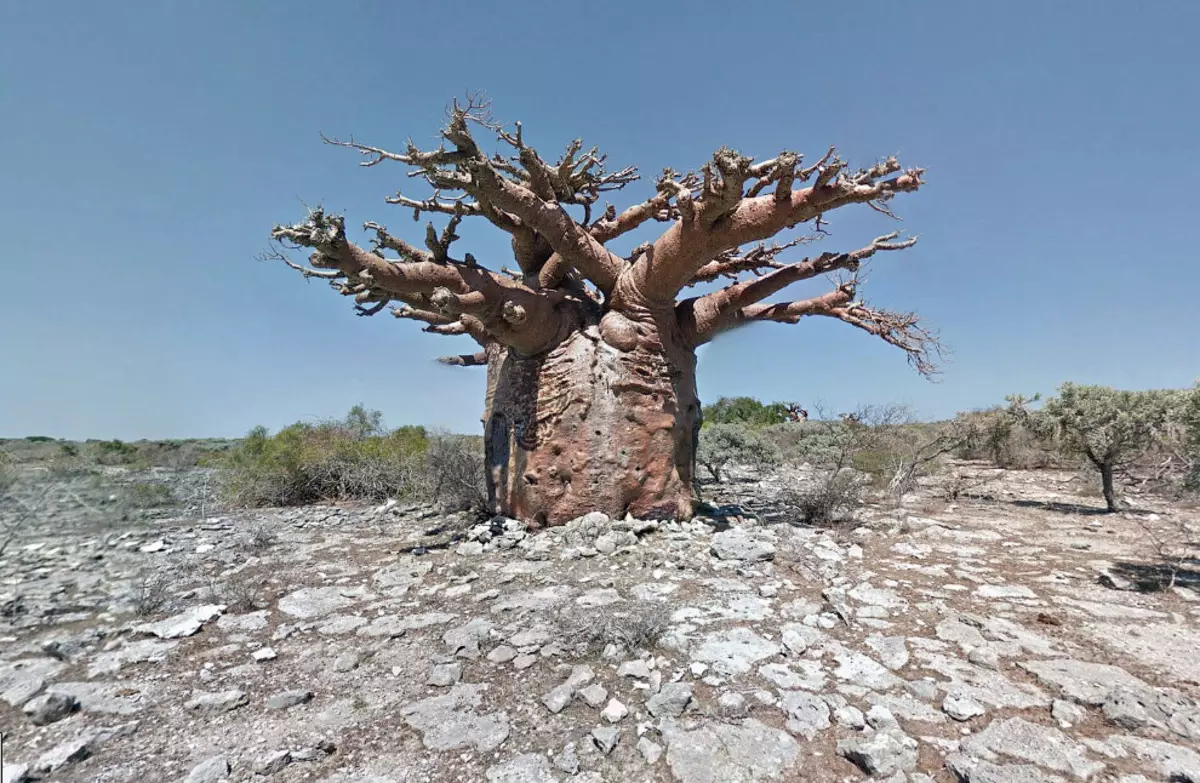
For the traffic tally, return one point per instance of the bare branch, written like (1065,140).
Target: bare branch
(569,239)
(712,312)
(724,180)
(519,316)
(435,205)
(902,330)
(727,224)
(731,263)
(477,359)
(386,241)
(412,157)
(428,316)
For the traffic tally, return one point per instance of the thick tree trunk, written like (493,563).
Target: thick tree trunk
(1106,478)
(606,421)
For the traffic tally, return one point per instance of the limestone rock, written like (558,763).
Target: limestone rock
(725,753)
(671,701)
(185,624)
(881,753)
(526,768)
(1017,738)
(737,544)
(211,770)
(449,721)
(289,699)
(50,707)
(606,738)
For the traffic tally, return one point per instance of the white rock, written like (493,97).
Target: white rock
(184,624)
(614,712)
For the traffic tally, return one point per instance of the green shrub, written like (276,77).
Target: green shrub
(39,439)
(149,495)
(721,444)
(1109,428)
(815,442)
(113,452)
(747,411)
(338,460)
(1005,438)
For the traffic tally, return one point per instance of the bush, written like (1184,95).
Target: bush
(455,477)
(338,460)
(150,495)
(747,411)
(881,441)
(113,452)
(629,627)
(833,499)
(1004,438)
(1109,428)
(721,444)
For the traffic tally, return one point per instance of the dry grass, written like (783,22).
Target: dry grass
(260,537)
(151,593)
(630,627)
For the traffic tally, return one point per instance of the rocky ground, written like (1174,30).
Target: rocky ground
(980,640)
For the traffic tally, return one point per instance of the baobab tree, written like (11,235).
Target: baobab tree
(591,356)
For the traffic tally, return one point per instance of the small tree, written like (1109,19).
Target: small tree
(721,444)
(363,423)
(1110,428)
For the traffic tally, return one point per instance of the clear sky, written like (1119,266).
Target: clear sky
(146,149)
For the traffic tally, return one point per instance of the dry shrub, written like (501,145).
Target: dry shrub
(260,537)
(960,484)
(1173,542)
(831,501)
(454,473)
(629,626)
(151,593)
(241,592)
(339,460)
(1006,439)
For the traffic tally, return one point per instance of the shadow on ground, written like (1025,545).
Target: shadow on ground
(1152,577)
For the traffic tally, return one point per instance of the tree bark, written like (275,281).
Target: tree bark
(605,421)
(1106,478)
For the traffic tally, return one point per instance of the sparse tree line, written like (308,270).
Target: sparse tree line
(1150,439)
(352,458)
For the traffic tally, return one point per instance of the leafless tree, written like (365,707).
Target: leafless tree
(591,392)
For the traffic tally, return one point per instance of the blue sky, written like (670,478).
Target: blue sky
(147,148)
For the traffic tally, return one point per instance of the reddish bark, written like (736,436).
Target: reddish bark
(591,401)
